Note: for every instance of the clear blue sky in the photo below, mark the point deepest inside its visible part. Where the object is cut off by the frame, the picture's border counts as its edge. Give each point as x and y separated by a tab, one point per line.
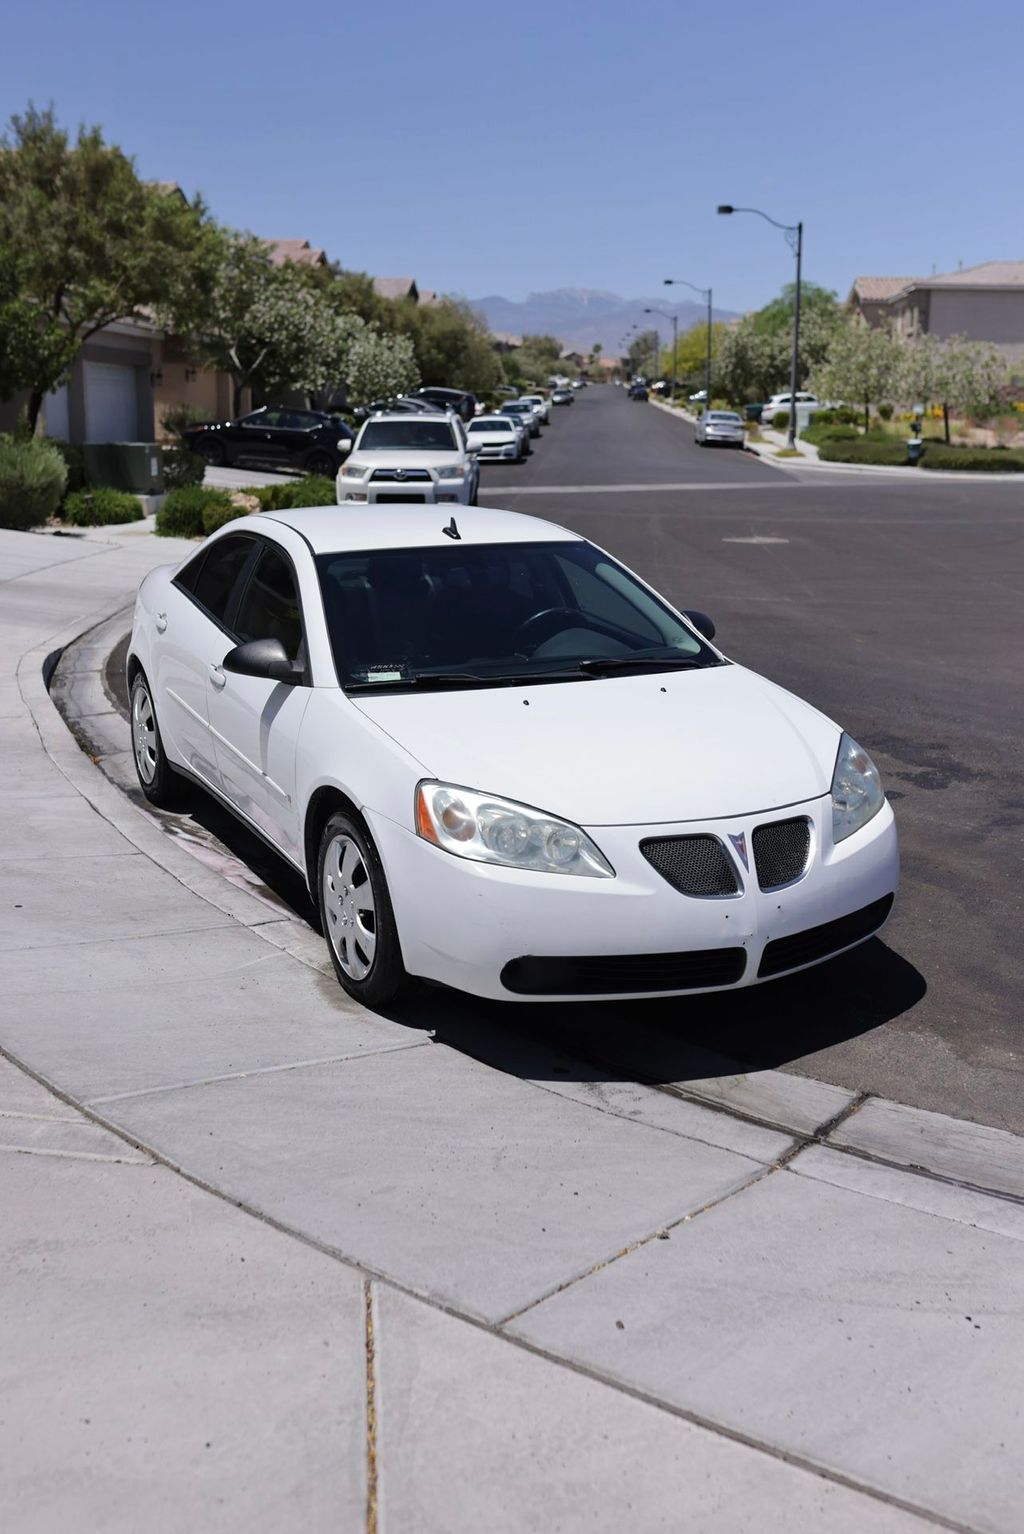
386	132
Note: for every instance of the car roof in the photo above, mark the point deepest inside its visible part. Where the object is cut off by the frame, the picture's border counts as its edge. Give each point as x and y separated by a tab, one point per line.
405	415
340	529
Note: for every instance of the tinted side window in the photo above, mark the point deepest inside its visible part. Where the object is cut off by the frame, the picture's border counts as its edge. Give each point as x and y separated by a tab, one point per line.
269	608
216	581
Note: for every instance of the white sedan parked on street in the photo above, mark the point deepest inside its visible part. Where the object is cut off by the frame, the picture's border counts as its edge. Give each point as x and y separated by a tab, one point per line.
499	436
720	426
501	761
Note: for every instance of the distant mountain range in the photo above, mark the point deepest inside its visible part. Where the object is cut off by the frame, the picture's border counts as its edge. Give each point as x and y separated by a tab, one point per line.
579	317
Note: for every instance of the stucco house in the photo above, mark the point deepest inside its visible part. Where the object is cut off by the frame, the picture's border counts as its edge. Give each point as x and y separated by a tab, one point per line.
984	303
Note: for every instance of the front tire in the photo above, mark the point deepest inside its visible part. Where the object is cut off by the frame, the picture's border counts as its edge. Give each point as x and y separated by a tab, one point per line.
356	915
158	780
321	464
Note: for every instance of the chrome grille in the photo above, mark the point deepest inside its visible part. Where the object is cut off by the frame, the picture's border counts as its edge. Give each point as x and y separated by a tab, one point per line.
401	476
781	850
694	865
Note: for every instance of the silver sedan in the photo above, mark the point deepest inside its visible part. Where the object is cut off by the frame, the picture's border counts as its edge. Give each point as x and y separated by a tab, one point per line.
720	426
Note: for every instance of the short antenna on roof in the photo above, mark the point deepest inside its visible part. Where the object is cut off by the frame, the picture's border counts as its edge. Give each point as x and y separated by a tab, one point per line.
451	531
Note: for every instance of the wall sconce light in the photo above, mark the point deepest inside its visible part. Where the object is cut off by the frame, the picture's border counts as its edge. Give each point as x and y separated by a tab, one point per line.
156	378
190	375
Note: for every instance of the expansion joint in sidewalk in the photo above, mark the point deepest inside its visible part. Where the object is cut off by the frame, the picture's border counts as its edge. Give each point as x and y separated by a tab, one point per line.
371	1408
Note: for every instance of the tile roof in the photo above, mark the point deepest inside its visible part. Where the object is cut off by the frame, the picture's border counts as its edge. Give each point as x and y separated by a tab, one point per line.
989	274
299	251
396	287
875	289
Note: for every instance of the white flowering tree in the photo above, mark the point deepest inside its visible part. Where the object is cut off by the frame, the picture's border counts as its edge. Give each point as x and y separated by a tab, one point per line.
964	376
379	366
862	364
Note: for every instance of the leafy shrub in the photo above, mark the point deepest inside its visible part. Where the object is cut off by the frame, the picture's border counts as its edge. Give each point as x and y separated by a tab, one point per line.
215	515
32	479
780	420
846	415
871	449
74	462
315	490
823	417
817	433
885	411
177	419
182	467
985	460
100	506
183	511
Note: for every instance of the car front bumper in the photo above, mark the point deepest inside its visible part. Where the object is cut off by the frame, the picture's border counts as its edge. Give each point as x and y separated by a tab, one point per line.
471	925
442	492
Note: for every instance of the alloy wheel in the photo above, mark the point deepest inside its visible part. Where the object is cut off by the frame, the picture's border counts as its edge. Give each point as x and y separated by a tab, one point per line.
144	739
350	907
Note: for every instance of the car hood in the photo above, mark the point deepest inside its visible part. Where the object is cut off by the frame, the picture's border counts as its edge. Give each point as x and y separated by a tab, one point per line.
385	458
672	746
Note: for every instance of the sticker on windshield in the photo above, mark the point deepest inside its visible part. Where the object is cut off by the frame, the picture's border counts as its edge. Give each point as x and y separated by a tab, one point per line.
382	674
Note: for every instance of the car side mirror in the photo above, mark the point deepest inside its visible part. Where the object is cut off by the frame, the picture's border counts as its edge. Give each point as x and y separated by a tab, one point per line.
267	658
345	444
472	447
701	622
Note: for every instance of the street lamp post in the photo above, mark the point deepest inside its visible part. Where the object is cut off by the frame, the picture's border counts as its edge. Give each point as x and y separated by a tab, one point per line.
795	236
671	282
675	341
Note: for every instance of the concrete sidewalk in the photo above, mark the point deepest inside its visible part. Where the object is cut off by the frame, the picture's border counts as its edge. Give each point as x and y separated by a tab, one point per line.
276	1262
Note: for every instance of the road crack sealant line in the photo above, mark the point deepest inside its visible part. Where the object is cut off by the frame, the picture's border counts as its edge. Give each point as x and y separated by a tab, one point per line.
373	1276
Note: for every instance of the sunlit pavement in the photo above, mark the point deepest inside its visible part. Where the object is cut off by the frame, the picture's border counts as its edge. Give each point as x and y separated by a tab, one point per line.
271	1261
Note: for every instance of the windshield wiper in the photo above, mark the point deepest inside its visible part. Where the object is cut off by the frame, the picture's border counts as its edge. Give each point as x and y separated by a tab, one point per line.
597	664
468	679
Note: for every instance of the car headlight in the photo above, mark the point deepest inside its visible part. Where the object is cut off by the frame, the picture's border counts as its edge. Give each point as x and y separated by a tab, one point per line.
492	830
352	471
453	471
856	790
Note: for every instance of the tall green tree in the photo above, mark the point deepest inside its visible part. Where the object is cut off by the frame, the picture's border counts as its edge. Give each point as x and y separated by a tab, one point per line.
453	347
91	242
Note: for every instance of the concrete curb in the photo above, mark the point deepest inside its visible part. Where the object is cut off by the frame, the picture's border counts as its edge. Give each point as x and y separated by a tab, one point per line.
809	460
134	824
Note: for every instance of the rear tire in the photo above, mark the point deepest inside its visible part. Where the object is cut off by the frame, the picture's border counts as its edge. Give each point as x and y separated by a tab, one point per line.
158	780
356	915
214	454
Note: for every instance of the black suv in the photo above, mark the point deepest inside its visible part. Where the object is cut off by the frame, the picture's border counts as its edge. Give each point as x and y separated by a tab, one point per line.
458	400
276	437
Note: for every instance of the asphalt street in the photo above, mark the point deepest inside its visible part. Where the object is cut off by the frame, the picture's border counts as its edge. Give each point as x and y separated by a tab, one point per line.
895	606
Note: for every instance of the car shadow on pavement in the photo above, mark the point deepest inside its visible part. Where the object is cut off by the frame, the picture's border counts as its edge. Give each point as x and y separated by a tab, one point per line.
676	1039
673	1039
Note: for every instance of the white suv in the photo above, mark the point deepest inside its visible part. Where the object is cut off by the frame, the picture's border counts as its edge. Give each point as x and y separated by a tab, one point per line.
403	457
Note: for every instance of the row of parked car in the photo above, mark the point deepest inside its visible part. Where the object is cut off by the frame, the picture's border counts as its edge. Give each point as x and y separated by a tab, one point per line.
434	457
285	438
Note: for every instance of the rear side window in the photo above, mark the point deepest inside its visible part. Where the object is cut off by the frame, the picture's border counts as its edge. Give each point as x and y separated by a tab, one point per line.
269	609
214	581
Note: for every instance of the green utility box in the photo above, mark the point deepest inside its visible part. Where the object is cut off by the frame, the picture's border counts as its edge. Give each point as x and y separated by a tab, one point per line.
137	466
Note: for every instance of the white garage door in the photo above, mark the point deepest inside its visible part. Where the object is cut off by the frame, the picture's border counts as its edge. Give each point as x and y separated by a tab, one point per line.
111	413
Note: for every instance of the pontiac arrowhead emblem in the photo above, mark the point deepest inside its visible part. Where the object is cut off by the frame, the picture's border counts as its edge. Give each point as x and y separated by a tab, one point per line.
740	844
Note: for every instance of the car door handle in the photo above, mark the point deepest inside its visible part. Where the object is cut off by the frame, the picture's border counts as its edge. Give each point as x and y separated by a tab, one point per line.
161	622
217	676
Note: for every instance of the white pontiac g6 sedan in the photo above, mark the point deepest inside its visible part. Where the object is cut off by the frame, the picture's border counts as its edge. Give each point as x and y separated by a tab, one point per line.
501	761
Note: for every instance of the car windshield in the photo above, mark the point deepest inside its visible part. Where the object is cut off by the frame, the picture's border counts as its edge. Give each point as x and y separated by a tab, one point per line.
412	435
489	615
491	425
